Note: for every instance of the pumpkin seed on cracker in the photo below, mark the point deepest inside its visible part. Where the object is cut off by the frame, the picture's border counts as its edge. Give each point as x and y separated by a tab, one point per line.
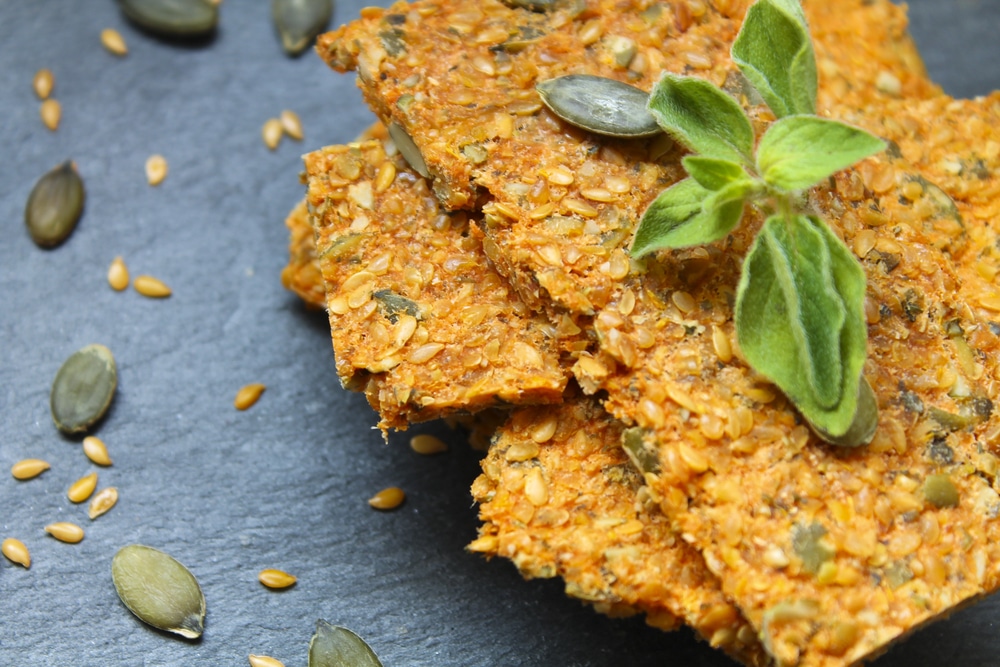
159	590
601	105
83	389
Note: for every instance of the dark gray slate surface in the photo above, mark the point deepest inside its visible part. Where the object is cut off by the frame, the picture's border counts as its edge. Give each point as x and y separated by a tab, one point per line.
284	484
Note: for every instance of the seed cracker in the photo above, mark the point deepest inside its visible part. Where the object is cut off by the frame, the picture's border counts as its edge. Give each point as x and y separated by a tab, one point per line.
460	79
419	320
302	273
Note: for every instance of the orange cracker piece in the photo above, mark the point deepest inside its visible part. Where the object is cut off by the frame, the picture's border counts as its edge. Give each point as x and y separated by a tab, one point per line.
419	320
558	498
459	79
302	273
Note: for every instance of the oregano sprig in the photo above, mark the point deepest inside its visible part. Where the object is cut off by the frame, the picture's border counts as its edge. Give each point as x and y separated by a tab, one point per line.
799	311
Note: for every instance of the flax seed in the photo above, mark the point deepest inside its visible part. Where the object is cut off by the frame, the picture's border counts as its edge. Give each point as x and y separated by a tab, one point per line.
114	42
427	444
95	450
291	124
65	531
271	133
82	488
102	501
276	579
156	169
29	469
264	661
151	287
118	274
248	395
387	499
51	113
16	552
43	83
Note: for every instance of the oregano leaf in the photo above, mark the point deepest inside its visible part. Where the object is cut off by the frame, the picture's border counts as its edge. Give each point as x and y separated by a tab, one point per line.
713	173
800	322
797	152
678	218
775	54
702	117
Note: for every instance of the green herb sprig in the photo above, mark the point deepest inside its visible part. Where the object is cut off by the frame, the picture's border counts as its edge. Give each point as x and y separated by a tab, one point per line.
800	301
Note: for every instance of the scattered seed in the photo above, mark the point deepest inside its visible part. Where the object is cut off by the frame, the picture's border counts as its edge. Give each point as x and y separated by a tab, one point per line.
65	531
55	206
248	395
599	104
102	501
264	661
387	499
118	274
156	169
159	590
83	389
152	287
51	113
427	444
271	133
29	468
82	488
299	22
276	578
173	18
43	83
408	149
335	646
95	450
114	42
16	552
292	124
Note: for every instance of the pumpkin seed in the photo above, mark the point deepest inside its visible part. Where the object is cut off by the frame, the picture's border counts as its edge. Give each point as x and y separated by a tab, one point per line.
172	18
82	488
601	105
95	450
533	5
156	169
114	42
29	468
408	149
65	531
83	389
103	501
43	83
427	444
299	22
271	133
54	206
292	124
276	578
118	274
16	552
335	646
154	288
51	113
248	395
387	499
264	661
159	590
940	491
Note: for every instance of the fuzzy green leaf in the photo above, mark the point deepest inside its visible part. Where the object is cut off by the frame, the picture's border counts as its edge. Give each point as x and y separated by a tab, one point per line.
797	152
679	218
713	173
775	54
800	319
703	118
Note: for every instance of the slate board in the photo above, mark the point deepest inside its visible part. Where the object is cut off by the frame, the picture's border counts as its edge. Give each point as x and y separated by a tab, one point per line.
285	483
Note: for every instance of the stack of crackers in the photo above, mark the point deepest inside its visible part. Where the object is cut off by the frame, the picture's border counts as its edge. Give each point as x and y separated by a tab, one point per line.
472	252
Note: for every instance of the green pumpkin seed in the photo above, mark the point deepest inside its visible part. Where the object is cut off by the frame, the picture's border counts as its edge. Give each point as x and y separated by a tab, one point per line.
334	646
299	22
54	206
172	18
533	5
599	104
83	389
940	491
159	590
408	149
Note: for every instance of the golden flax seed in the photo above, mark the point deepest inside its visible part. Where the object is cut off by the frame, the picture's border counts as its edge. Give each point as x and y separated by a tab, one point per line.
82	488
276	578
291	124
271	133
118	274
248	395
156	169
387	499
51	113
65	531
264	661
114	42
102	501
29	468
95	450
43	83
16	552
427	444
151	287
